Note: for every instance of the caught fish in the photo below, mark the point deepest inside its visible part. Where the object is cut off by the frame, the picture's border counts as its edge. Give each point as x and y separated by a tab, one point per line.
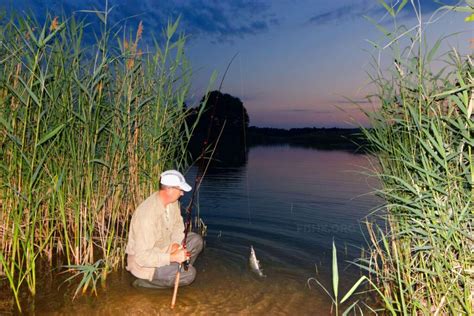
255	264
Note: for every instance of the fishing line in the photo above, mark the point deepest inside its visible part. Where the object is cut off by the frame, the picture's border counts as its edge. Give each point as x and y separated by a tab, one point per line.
245	143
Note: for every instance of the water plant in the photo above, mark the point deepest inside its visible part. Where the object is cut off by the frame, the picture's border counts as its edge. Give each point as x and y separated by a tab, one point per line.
89	275
355	306
422	259
85	130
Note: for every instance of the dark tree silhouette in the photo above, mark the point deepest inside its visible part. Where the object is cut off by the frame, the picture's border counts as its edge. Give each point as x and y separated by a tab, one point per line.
226	115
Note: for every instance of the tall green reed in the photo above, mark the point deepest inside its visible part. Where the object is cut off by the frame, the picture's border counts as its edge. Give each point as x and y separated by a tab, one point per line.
356	306
422	261
86	129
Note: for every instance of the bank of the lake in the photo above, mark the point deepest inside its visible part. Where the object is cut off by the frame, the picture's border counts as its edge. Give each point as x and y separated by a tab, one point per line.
312	137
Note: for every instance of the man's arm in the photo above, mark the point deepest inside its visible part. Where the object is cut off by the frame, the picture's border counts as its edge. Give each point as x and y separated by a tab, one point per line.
177	234
144	249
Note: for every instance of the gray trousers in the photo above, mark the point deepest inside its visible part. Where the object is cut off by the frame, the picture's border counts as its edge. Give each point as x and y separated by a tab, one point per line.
165	276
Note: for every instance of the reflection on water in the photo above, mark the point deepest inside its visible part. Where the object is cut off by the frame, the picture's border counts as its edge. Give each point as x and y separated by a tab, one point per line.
289	203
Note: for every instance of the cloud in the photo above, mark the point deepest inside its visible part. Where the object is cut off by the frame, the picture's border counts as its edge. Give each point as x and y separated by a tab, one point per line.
334	106
312	111
427	7
343	13
353	102
218	20
375	10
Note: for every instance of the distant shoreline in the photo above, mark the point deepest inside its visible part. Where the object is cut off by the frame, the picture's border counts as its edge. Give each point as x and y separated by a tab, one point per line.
324	138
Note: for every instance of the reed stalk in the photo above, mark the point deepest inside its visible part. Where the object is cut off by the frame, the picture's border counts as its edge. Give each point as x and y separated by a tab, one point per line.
422	261
85	130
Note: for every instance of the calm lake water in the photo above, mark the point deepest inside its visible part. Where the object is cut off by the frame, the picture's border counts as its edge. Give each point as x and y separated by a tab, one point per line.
289	203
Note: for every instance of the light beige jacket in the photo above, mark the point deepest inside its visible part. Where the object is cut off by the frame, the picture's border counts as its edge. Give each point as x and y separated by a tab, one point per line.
152	231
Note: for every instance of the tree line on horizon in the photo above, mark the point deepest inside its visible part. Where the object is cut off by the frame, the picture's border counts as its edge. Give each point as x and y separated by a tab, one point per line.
223	128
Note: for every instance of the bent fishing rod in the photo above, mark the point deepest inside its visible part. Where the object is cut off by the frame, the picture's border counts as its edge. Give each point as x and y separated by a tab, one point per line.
197	184
185	265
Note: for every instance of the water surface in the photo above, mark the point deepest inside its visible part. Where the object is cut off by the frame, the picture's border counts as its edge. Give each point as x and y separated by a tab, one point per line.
289	203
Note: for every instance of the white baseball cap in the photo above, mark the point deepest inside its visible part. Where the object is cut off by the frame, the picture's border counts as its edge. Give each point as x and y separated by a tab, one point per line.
174	178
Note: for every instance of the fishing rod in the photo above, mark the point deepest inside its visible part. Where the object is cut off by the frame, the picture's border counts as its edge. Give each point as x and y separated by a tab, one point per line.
197	184
199	177
185	265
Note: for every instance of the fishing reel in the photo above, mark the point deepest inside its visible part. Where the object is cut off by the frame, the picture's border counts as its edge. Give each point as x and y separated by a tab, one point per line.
186	264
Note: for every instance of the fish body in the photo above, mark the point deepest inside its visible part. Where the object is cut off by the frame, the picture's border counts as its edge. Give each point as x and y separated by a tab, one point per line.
255	264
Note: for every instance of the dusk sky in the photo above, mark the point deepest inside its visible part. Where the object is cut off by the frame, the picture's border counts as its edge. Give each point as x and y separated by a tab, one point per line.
296	61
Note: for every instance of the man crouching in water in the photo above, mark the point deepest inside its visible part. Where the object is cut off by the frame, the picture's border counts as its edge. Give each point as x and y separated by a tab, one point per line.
156	232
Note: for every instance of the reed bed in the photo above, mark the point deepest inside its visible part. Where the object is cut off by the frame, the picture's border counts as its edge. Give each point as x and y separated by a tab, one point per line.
422	260
85	130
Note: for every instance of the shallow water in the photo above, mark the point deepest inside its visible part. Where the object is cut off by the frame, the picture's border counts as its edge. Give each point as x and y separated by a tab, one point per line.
222	287
289	203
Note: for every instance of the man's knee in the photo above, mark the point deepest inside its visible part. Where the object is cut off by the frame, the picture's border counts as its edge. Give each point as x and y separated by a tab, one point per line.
165	277
187	277
194	243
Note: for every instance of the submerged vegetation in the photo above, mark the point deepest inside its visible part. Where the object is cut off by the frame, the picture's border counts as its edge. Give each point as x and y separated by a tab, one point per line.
85	130
423	259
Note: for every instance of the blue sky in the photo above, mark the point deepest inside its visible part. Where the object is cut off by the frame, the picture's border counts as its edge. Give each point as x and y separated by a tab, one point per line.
296	61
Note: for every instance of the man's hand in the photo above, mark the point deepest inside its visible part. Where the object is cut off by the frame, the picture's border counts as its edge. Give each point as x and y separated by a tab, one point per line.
179	255
174	247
